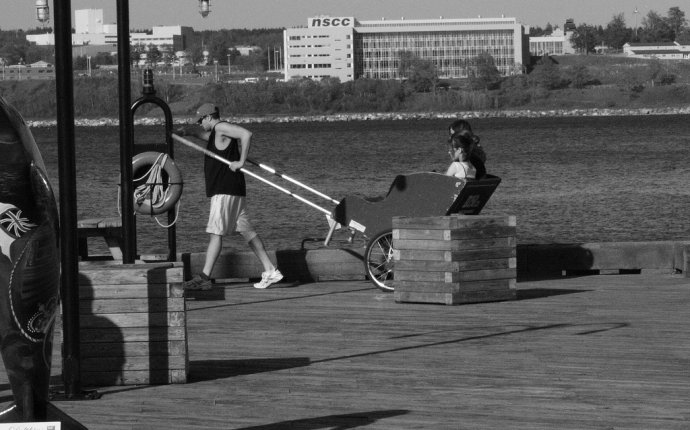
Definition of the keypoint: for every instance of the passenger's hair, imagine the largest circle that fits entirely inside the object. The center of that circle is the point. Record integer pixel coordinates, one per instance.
(461, 124)
(463, 139)
(468, 142)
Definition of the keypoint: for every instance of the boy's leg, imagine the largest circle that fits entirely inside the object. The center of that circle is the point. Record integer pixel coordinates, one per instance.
(257, 245)
(215, 245)
(202, 281)
(271, 274)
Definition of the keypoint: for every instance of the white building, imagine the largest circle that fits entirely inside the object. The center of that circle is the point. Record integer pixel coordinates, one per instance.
(348, 49)
(161, 36)
(660, 50)
(247, 50)
(557, 43)
(90, 30)
(88, 21)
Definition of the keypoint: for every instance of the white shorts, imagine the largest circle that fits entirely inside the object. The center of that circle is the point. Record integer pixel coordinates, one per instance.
(227, 215)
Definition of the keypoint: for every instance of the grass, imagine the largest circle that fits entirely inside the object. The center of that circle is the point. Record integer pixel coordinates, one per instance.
(97, 97)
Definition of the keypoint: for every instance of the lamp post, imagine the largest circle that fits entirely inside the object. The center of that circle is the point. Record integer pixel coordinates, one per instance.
(635, 12)
(42, 11)
(204, 8)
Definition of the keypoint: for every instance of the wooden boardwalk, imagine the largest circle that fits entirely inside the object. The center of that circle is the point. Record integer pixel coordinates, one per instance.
(593, 352)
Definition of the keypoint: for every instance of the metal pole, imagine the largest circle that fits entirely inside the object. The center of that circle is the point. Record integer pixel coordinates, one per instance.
(250, 173)
(69, 282)
(126, 133)
(290, 179)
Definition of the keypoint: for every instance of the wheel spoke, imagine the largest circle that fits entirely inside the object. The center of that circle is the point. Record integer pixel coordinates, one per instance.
(379, 261)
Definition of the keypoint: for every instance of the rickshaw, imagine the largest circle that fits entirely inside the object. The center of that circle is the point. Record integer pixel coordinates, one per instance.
(413, 195)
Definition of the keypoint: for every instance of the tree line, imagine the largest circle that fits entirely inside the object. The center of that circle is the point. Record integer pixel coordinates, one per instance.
(599, 81)
(653, 28)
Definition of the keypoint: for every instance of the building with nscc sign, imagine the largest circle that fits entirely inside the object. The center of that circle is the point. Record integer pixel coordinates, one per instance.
(348, 49)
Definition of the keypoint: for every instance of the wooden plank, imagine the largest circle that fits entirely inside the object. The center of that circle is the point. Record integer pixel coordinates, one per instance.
(483, 232)
(134, 377)
(128, 363)
(154, 319)
(455, 266)
(423, 297)
(149, 273)
(454, 277)
(461, 297)
(453, 222)
(133, 349)
(132, 334)
(447, 287)
(474, 254)
(127, 291)
(455, 245)
(113, 306)
(319, 355)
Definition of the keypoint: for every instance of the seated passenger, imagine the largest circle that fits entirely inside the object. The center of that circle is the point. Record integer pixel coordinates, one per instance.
(461, 124)
(466, 164)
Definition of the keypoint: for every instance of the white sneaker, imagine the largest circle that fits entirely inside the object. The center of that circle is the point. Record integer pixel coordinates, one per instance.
(268, 278)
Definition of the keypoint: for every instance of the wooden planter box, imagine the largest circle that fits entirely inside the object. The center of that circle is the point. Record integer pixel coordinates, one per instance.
(133, 324)
(454, 259)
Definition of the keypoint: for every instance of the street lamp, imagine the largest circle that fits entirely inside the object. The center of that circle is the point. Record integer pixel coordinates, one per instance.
(42, 11)
(204, 7)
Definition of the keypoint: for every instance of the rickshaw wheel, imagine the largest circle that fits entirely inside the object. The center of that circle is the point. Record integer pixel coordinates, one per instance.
(378, 261)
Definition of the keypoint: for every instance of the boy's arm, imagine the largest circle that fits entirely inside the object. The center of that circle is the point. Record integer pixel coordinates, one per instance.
(244, 137)
(194, 131)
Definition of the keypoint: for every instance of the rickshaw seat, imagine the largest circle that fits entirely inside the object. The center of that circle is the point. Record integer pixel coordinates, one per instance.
(415, 195)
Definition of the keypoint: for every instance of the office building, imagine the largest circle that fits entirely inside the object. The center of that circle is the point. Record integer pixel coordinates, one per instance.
(91, 32)
(348, 49)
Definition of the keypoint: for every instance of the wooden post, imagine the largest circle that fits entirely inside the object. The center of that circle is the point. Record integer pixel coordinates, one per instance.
(133, 324)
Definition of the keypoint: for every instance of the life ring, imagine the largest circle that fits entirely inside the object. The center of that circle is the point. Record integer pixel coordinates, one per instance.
(159, 188)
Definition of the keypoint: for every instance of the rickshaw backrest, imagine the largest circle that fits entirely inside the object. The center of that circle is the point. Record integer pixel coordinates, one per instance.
(415, 195)
(474, 196)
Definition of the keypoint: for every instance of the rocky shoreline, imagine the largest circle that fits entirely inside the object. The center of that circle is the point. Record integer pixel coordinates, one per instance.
(389, 116)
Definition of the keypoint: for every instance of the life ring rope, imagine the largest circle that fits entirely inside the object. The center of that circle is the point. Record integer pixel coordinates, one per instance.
(153, 188)
(154, 195)
(177, 212)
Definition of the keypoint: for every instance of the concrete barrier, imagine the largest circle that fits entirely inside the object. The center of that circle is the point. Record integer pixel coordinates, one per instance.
(301, 265)
(533, 260)
(550, 259)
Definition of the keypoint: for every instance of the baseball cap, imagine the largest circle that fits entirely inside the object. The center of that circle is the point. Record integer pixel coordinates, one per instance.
(206, 109)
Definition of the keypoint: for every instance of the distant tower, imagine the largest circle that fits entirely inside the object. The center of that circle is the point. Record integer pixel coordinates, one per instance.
(42, 11)
(569, 25)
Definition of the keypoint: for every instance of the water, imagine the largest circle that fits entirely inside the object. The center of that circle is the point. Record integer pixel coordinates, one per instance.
(566, 179)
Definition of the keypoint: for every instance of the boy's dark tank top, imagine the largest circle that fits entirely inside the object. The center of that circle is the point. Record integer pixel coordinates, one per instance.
(220, 179)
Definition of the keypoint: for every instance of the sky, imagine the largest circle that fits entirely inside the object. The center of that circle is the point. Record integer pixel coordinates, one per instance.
(20, 14)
